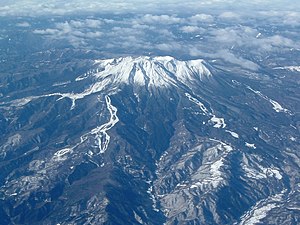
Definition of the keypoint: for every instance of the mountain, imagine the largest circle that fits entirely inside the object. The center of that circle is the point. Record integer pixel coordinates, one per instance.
(150, 140)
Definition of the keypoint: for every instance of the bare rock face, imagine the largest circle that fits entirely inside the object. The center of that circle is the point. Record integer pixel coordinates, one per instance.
(150, 141)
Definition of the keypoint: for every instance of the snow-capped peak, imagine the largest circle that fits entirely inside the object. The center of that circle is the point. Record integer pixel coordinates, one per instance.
(151, 71)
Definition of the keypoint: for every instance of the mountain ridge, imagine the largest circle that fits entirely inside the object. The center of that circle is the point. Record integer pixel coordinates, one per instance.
(151, 71)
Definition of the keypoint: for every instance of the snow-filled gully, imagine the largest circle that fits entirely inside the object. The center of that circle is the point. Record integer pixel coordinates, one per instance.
(217, 122)
(100, 132)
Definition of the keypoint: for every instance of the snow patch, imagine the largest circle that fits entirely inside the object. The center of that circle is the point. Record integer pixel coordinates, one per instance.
(210, 174)
(138, 218)
(218, 122)
(290, 68)
(152, 196)
(254, 170)
(293, 139)
(259, 213)
(23, 101)
(273, 172)
(62, 154)
(250, 145)
(233, 134)
(197, 102)
(101, 135)
(261, 209)
(258, 35)
(276, 106)
(10, 144)
(61, 83)
(262, 173)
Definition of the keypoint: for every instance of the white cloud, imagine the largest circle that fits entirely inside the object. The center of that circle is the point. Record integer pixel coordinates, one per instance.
(226, 56)
(229, 15)
(246, 37)
(140, 34)
(168, 47)
(226, 36)
(76, 32)
(92, 23)
(162, 19)
(137, 25)
(286, 17)
(47, 31)
(291, 18)
(190, 29)
(64, 28)
(201, 18)
(59, 7)
(23, 24)
(275, 42)
(96, 34)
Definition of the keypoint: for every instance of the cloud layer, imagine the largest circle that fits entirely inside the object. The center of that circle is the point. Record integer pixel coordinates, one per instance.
(197, 35)
(59, 7)
(236, 32)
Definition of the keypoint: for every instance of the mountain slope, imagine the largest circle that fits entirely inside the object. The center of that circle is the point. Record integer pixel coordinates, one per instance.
(149, 141)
